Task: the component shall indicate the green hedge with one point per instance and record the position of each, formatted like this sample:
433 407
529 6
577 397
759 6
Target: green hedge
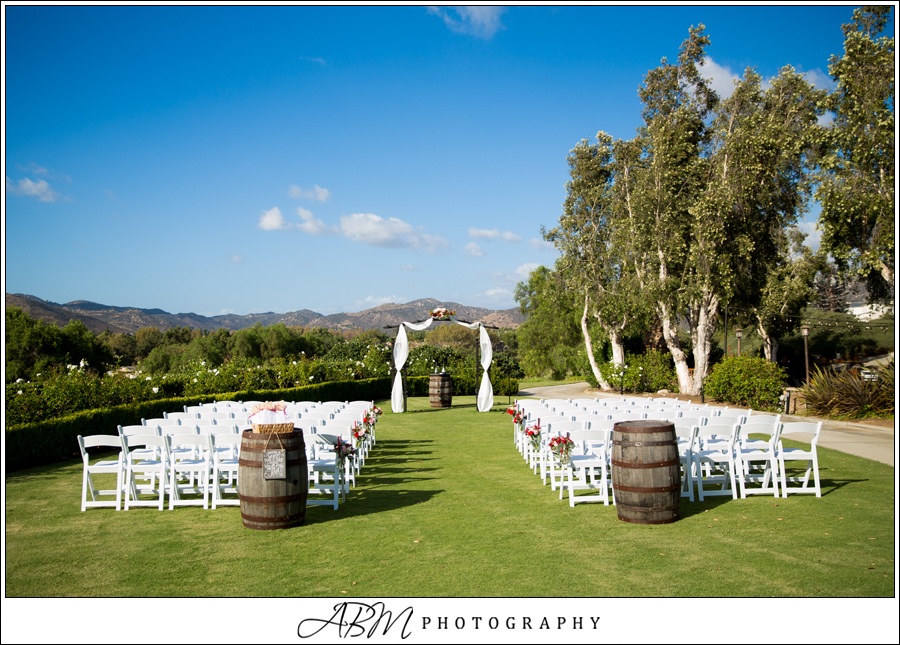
52 440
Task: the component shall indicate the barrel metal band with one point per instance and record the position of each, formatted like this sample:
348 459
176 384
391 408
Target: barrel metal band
287 520
645 430
642 489
655 464
645 509
638 444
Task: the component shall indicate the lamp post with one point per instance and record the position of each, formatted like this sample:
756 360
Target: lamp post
805 331
739 333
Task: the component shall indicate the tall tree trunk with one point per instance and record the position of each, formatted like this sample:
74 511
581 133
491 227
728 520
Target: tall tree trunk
670 334
701 335
770 343
589 346
618 347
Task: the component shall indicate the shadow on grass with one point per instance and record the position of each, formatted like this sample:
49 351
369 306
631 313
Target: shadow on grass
361 502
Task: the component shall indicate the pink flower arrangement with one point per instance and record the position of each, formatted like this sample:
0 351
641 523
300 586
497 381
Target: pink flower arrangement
343 451
562 448
534 436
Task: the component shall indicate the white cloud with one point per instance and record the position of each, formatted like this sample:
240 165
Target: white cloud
721 78
314 59
540 245
819 79
272 220
525 270
237 259
409 267
473 250
479 21
389 233
312 225
485 234
497 291
317 192
40 189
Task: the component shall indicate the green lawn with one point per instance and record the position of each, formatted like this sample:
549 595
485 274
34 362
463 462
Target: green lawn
447 507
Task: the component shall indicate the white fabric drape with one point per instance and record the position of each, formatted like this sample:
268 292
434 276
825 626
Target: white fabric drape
484 400
401 353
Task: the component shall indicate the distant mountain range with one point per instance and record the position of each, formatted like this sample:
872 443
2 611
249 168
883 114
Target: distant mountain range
119 320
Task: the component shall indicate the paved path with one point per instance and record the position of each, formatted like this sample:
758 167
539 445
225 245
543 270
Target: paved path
870 442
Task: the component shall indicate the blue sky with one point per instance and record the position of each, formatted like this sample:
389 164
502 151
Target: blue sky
251 159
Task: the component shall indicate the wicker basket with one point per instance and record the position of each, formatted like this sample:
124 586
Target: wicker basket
272 428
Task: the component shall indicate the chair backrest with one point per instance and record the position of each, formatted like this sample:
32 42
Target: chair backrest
160 422
591 440
193 440
143 441
232 441
217 415
99 441
130 431
805 427
184 416
564 426
628 416
601 424
722 432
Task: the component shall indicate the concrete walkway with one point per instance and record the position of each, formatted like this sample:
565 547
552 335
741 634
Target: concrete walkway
862 440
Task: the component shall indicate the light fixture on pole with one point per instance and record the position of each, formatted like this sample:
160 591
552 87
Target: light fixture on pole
805 331
739 333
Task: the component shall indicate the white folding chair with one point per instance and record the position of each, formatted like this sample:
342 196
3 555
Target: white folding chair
102 466
550 465
323 468
686 436
595 444
755 455
720 459
226 457
198 467
811 457
146 458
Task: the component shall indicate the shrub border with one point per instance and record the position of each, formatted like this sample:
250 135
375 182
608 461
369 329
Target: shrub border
52 440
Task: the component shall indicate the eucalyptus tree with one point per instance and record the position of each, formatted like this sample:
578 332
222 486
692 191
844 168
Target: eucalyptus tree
550 335
660 177
790 287
709 188
591 253
857 174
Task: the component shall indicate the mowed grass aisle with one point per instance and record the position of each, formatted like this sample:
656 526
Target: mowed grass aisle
447 507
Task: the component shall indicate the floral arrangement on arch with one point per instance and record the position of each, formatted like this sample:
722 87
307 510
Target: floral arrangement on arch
441 313
562 447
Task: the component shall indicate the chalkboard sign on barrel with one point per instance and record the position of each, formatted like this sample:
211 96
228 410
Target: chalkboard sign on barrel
646 472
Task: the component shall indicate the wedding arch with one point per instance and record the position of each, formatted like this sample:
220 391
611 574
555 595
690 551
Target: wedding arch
485 398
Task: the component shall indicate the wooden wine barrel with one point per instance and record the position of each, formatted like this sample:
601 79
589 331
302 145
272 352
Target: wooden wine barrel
646 471
440 390
268 504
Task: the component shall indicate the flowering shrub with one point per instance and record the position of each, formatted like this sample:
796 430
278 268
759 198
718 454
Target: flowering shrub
649 372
